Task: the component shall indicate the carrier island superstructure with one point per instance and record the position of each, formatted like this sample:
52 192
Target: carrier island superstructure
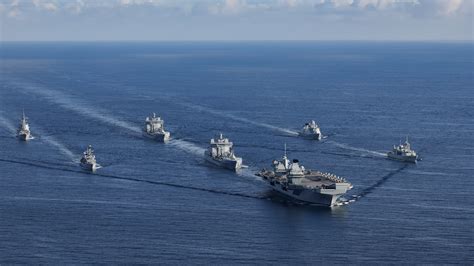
304 186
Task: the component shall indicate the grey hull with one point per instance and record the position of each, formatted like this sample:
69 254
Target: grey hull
228 164
89 167
157 137
305 196
311 136
24 137
410 159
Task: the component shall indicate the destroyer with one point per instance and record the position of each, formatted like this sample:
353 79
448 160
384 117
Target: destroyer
24 129
403 152
155 129
306 186
221 153
311 131
88 161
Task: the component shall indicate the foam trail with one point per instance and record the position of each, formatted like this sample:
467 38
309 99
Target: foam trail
47 165
100 115
65 102
241 119
187 147
348 147
61 147
7 124
371 188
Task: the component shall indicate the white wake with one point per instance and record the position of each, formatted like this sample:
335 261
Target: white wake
241 119
361 150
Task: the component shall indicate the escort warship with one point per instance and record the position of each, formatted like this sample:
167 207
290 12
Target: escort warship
88 161
221 153
155 129
24 132
304 186
403 152
311 131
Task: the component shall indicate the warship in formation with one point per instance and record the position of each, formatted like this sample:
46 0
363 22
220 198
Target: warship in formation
221 153
311 130
155 129
88 161
24 132
304 186
403 152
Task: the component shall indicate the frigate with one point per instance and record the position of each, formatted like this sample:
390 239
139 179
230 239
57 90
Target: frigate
403 152
221 153
304 186
155 129
24 132
88 161
311 130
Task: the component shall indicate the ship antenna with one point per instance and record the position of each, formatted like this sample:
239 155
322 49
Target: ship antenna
285 150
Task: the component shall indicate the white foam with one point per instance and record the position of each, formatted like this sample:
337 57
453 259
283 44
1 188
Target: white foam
241 119
7 124
78 107
61 147
362 150
187 147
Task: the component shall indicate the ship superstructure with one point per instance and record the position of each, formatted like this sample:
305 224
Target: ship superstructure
88 160
403 152
24 132
305 186
311 130
221 153
155 129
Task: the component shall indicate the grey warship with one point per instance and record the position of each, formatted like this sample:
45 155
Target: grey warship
311 130
88 161
155 129
221 153
24 132
403 152
304 186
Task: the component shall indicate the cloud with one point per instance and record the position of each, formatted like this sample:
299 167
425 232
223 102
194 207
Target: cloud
449 7
342 3
45 5
347 8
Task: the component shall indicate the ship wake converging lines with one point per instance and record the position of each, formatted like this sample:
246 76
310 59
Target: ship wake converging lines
76 106
7 124
361 150
60 146
100 115
241 119
371 188
47 165
187 146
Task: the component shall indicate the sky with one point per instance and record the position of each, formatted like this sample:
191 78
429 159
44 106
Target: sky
236 20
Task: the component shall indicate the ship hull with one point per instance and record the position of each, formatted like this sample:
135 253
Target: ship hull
89 167
158 137
410 159
303 196
315 136
228 164
24 137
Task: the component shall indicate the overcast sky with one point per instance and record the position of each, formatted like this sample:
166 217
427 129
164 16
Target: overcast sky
95 20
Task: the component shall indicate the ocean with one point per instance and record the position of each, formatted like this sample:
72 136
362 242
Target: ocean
161 203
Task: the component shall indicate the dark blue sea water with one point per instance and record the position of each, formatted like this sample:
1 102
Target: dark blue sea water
156 203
